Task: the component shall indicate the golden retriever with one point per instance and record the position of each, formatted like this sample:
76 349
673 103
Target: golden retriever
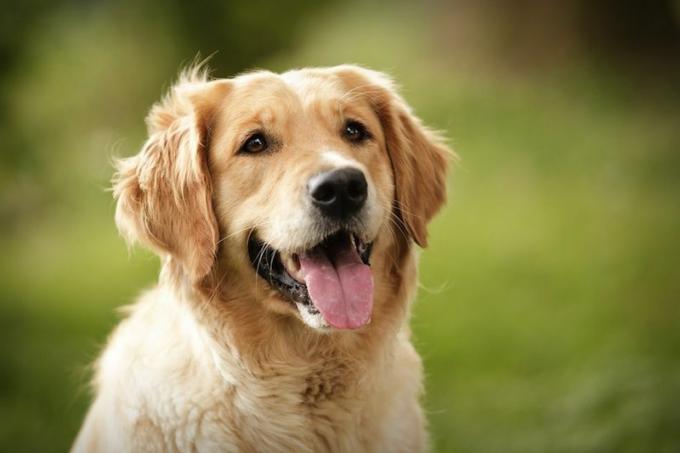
285 209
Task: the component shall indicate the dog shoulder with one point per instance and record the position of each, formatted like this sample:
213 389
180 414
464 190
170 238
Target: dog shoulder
151 376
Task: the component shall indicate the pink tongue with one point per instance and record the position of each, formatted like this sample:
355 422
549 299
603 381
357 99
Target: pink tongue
340 284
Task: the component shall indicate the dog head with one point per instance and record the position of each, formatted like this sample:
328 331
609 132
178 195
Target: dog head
299 178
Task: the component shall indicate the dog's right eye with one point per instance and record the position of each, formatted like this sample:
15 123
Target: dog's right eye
256 143
355 132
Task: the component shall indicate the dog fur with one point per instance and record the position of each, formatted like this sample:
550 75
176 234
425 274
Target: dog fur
213 358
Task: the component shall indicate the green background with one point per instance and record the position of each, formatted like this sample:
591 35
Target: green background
548 315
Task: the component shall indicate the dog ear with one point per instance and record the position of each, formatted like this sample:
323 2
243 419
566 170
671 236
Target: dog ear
419 162
418 155
164 192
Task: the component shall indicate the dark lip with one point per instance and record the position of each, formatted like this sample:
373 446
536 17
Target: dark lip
266 262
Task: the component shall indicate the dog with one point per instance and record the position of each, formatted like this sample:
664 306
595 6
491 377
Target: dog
286 210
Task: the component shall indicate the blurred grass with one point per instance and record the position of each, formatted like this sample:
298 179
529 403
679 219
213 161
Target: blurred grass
548 316
558 327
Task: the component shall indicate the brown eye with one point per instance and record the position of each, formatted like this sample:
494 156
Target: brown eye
256 143
355 132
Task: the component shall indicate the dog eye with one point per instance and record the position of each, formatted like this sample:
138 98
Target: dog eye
355 132
256 143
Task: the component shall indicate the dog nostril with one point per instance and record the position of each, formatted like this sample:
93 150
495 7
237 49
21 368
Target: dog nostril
356 189
324 193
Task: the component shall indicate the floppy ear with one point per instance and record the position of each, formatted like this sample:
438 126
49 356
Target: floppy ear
419 156
164 193
419 162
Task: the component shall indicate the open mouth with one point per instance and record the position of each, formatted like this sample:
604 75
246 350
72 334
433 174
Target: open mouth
330 284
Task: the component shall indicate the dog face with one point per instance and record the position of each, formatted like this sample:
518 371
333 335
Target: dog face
297 178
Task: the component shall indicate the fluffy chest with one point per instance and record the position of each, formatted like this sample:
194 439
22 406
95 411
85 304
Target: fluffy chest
320 409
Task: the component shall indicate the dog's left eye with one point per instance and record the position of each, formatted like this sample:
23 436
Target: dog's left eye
256 143
355 132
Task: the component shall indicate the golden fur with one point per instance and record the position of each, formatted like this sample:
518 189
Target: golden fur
212 358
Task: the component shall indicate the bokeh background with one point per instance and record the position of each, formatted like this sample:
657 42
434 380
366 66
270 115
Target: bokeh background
549 309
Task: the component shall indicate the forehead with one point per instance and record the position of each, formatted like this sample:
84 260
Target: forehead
295 92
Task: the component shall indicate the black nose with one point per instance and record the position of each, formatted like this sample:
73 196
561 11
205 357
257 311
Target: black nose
338 193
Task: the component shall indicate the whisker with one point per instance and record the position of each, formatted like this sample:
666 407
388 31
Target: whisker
271 264
399 224
259 257
395 220
411 213
204 306
252 227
